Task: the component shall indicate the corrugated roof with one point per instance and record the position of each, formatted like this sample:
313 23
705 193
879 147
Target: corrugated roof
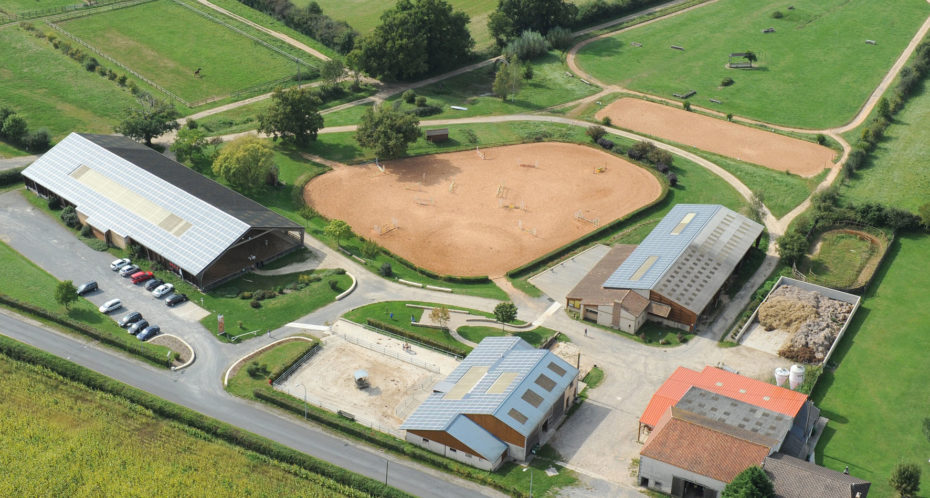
591 290
795 478
689 254
510 358
702 450
739 414
475 437
125 179
738 387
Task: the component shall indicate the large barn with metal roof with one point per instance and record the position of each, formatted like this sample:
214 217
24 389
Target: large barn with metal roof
678 270
501 401
131 194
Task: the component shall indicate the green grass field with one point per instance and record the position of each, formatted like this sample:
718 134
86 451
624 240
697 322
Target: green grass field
50 423
476 333
52 91
876 398
173 42
397 314
276 359
815 71
20 6
840 260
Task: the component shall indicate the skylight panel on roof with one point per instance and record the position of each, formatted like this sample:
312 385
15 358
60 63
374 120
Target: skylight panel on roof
519 417
532 398
502 383
466 383
545 382
643 268
557 369
683 223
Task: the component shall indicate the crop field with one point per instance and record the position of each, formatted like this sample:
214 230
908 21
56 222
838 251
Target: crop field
52 91
814 71
173 42
50 423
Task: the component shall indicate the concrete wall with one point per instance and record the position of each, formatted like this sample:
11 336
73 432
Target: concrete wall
460 456
661 475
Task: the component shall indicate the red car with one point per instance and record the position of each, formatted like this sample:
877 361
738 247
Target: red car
141 276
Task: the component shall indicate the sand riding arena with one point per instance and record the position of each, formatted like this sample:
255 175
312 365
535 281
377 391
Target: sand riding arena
485 211
732 140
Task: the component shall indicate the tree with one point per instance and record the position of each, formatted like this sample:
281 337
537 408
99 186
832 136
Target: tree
190 144
560 38
528 45
149 119
246 162
65 294
884 108
905 479
293 115
387 132
924 212
513 17
750 56
505 313
595 132
440 315
509 78
792 246
750 483
338 230
331 71
14 128
415 37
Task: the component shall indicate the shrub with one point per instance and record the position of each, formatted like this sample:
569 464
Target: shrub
792 246
102 71
606 121
70 217
121 80
470 135
97 245
257 370
640 150
686 105
426 110
87 231
370 249
528 71
729 116
777 14
54 203
560 38
111 75
607 144
528 45
420 101
91 64
672 179
255 304
595 132
308 213
13 128
662 168
334 285
821 138
245 295
11 176
409 96
905 479
726 81
385 270
38 141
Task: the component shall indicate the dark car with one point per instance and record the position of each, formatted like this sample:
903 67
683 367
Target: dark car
138 326
152 284
149 332
87 287
129 319
175 299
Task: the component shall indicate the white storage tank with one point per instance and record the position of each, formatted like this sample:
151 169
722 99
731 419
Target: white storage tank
781 376
796 376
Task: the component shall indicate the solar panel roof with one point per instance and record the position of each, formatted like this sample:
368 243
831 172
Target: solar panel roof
127 188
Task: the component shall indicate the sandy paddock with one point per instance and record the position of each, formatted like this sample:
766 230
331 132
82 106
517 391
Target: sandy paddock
448 206
721 137
329 378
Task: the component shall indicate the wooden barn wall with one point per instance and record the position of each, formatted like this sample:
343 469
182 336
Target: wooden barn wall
499 429
678 313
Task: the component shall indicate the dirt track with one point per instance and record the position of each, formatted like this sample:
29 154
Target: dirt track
727 139
465 231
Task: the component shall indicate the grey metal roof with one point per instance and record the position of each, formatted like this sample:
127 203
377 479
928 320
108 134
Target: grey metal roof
795 478
689 254
472 435
522 369
736 413
134 191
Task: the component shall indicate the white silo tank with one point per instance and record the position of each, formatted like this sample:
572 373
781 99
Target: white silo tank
796 376
781 376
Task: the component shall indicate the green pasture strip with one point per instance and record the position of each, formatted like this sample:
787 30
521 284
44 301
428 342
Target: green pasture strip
167 43
348 116
269 22
10 7
52 91
7 150
396 314
552 84
276 359
594 377
862 393
476 333
803 75
841 258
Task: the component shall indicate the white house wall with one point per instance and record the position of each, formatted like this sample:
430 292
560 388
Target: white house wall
663 473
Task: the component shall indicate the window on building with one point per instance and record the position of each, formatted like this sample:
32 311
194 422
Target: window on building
453 450
425 440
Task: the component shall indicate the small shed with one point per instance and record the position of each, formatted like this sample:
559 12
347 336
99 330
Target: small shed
361 379
437 135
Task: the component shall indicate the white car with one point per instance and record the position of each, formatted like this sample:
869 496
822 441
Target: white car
110 306
119 263
162 289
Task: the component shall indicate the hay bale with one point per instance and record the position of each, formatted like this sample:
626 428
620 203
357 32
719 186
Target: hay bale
785 313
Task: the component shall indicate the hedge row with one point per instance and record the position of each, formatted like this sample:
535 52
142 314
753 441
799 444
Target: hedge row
211 426
11 176
459 351
132 347
395 445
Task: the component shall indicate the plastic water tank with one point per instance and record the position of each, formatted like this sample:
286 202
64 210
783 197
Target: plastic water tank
781 376
796 376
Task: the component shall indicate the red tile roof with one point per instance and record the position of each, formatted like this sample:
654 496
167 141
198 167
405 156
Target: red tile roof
695 448
738 387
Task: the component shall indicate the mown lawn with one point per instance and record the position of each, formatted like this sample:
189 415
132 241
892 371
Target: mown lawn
167 42
840 260
50 423
276 359
803 77
552 84
54 92
476 333
877 397
397 314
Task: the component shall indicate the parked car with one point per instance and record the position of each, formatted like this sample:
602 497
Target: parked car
87 287
128 270
129 319
141 276
119 263
110 306
149 332
138 326
175 299
163 289
153 283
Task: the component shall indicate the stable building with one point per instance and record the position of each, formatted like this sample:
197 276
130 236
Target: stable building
130 194
678 272
503 400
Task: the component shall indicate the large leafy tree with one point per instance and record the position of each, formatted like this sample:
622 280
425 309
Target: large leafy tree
905 479
505 313
387 132
190 145
509 78
750 483
293 115
246 163
150 118
415 37
513 17
65 294
338 230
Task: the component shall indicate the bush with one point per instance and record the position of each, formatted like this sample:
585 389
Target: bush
70 217
528 71
427 110
245 295
38 141
777 14
87 231
102 71
14 128
528 45
792 246
385 270
11 176
420 101
257 371
905 479
729 116
334 285
121 80
255 304
606 121
560 38
607 144
726 81
686 105
662 168
91 64
470 135
409 96
54 203
370 249
595 132
672 179
821 138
